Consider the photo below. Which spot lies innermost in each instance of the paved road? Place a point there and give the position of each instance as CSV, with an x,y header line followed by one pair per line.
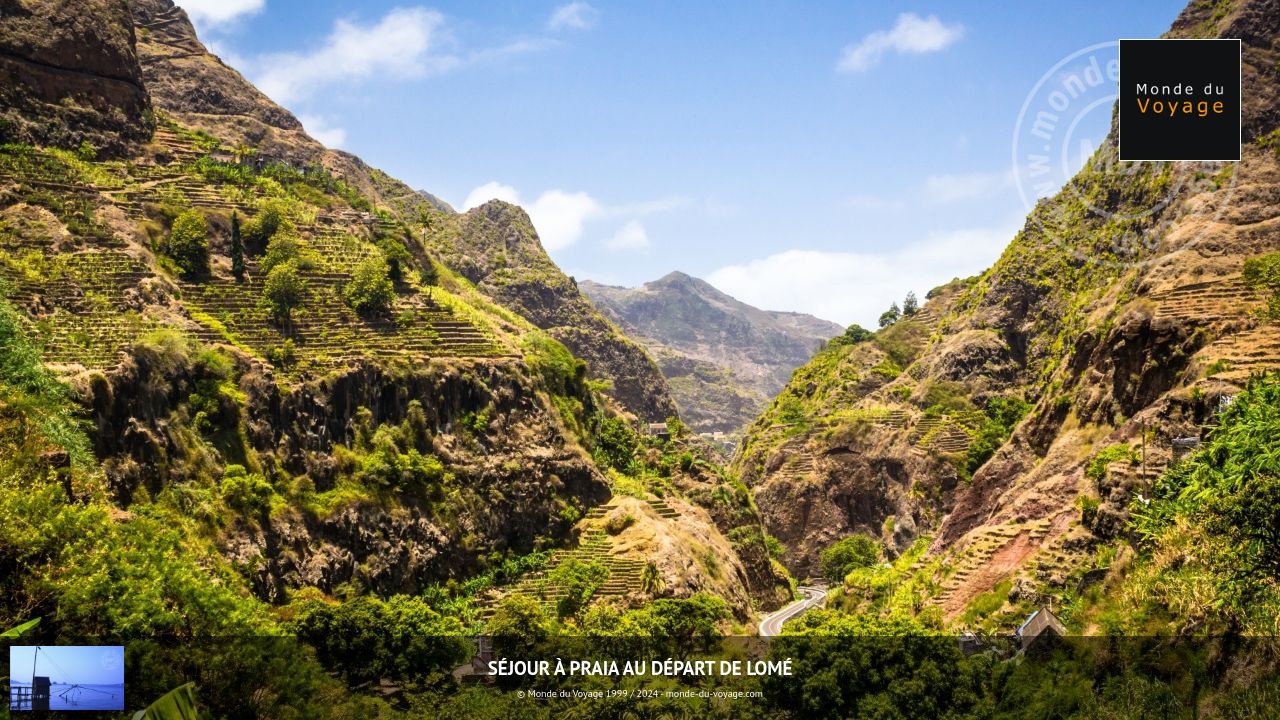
x,y
811,596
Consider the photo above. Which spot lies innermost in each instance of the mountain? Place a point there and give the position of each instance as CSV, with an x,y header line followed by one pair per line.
x,y
1005,431
244,376
724,359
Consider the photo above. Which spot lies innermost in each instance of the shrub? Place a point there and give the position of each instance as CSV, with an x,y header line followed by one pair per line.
x,y
1263,273
188,244
367,639
287,247
853,335
396,255
248,493
849,554
615,443
284,354
579,581
370,290
1097,468
429,274
284,289
1002,415
262,228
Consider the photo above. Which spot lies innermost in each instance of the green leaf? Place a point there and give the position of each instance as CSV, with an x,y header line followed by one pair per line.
x,y
21,630
177,704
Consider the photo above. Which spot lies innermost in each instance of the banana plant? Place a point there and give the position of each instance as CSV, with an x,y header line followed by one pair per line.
x,y
23,629
177,704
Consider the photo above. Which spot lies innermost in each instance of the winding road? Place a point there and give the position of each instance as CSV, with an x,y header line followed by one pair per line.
x,y
812,597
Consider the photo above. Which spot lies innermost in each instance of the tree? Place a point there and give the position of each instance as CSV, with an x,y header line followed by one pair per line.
x,y
237,248
269,221
188,244
853,335
517,626
396,255
283,247
370,289
651,579
691,625
284,289
890,316
428,274
853,552
910,306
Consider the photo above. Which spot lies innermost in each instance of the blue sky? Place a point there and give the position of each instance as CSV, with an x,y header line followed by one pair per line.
x,y
824,157
80,665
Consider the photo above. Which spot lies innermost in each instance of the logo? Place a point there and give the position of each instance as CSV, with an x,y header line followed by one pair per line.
x,y
1067,127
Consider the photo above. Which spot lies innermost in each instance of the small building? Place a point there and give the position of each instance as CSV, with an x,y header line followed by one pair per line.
x,y
1040,626
658,430
40,694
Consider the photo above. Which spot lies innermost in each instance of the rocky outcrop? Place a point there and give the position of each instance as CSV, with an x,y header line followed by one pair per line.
x,y
69,74
722,357
1112,353
510,480
496,247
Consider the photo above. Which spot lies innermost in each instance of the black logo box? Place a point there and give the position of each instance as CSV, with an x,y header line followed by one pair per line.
x,y
1182,64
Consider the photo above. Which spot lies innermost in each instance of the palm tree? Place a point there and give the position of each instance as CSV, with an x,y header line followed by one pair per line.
x,y
651,579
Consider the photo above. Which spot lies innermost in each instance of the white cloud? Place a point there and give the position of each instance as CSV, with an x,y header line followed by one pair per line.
x,y
631,236
574,15
320,129
558,216
851,287
400,45
491,191
911,35
209,13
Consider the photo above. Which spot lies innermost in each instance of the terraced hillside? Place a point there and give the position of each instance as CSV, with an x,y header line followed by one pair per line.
x,y
95,287
1016,417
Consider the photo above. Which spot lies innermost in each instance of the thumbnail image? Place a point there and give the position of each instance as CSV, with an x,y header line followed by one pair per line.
x,y
44,678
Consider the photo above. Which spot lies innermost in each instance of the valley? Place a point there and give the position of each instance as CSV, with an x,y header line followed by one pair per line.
x,y
312,443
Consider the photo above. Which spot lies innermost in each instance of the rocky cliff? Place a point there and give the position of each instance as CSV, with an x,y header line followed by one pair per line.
x,y
316,442
496,247
1014,418
724,359
69,74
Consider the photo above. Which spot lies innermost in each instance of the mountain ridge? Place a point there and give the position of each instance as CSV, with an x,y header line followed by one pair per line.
x,y
723,358
997,423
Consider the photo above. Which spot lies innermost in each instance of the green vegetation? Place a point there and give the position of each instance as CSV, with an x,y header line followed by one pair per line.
x,y
249,493
852,335
237,248
367,639
890,316
284,290
848,554
1096,470
370,290
1002,414
188,244
579,581
1263,273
